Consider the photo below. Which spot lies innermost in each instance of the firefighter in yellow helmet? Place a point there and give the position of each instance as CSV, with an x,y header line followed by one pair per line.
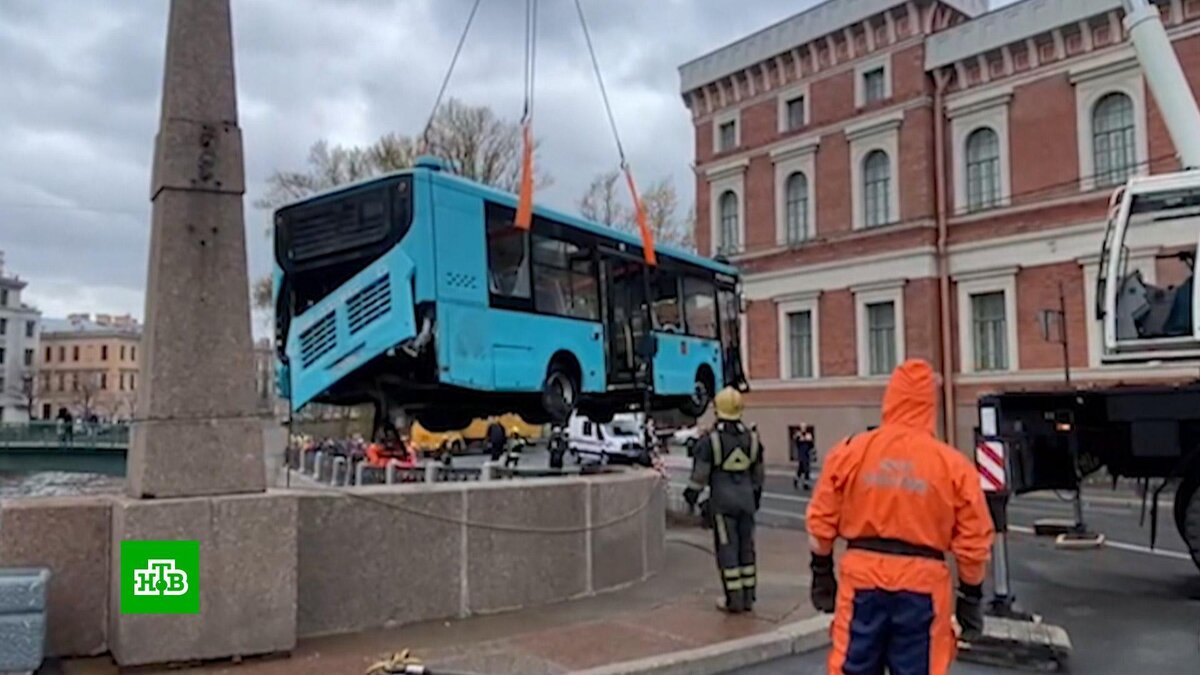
x,y
729,462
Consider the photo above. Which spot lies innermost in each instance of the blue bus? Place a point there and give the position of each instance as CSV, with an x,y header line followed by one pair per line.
x,y
415,292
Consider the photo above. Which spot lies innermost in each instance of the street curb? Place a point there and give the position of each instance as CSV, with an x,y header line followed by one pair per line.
x,y
787,640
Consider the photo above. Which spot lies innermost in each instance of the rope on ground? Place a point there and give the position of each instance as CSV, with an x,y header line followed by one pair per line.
x,y
478,525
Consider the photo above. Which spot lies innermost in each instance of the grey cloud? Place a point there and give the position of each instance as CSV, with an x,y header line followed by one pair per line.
x,y
81,92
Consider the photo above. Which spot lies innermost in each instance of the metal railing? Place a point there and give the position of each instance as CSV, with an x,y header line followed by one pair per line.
x,y
55,435
342,470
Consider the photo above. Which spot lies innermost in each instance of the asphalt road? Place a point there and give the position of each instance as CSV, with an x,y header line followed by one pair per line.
x,y
1127,609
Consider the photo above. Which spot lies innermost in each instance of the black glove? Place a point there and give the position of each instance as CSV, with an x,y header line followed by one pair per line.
x,y
691,495
757,498
969,610
824,583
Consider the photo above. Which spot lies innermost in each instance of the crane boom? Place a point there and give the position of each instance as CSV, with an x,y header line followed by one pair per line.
x,y
1165,77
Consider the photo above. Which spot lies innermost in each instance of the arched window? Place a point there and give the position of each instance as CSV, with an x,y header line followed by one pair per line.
x,y
877,179
983,169
797,208
728,235
1113,140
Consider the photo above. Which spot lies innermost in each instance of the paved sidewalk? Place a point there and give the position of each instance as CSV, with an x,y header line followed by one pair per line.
x,y
672,612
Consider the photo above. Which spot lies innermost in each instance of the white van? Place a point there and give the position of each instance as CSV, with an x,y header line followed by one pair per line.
x,y
618,441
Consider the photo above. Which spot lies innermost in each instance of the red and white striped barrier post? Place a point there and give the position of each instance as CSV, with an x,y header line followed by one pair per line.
x,y
991,459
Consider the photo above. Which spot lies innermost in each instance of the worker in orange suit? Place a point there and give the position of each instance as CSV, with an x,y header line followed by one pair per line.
x,y
902,500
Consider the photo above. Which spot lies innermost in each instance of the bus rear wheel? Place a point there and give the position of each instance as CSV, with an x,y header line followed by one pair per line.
x,y
697,403
560,393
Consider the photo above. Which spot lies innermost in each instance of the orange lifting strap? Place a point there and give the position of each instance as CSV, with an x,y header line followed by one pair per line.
x,y
525,196
640,209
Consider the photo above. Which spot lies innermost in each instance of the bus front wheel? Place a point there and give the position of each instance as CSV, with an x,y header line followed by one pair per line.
x,y
560,392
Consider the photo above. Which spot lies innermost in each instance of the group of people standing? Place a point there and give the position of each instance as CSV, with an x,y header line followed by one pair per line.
x,y
902,501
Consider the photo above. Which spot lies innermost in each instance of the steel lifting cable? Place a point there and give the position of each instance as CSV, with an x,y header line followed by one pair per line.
x,y
638,207
612,121
437,102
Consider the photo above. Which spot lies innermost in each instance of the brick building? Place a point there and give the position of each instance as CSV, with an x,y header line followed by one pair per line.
x,y
818,142
89,366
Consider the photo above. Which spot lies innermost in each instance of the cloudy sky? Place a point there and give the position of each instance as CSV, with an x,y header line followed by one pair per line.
x,y
79,96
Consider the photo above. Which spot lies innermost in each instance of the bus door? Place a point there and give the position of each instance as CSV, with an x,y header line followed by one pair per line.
x,y
729,307
627,318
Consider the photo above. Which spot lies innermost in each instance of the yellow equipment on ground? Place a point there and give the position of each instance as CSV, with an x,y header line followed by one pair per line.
x,y
472,436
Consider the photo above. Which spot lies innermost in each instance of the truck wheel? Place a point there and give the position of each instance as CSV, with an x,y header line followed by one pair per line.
x,y
1187,516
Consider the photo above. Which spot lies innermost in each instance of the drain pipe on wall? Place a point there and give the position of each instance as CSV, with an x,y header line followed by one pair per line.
x,y
949,425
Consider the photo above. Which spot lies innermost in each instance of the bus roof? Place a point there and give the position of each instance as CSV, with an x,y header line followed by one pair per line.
x,y
509,199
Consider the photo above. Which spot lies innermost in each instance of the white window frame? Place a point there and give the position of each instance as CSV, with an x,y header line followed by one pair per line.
x,y
1093,83
860,71
891,291
977,283
966,117
799,156
1144,259
807,302
719,120
877,133
727,177
789,95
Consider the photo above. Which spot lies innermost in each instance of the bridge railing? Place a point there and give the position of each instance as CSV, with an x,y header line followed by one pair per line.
x,y
52,435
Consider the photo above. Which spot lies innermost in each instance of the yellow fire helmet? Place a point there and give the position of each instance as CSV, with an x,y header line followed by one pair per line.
x,y
729,404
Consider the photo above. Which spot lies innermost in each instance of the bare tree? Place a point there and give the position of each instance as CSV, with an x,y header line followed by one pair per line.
x,y
602,202
25,390
661,203
605,202
262,294
87,389
472,139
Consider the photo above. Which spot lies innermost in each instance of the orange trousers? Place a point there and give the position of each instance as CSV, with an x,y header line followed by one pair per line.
x,y
893,612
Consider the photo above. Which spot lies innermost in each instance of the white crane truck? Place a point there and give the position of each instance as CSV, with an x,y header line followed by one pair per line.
x,y
1054,439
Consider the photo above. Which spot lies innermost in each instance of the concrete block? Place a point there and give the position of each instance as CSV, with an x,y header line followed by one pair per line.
x,y
371,560
656,529
23,590
247,579
22,642
196,458
70,537
618,549
511,564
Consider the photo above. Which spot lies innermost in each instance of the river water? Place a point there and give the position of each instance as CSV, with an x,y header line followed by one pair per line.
x,y
57,484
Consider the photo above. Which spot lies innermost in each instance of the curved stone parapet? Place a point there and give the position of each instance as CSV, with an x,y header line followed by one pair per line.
x,y
406,553
327,560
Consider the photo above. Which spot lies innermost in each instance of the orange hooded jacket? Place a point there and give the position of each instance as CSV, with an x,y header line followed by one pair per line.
x,y
900,482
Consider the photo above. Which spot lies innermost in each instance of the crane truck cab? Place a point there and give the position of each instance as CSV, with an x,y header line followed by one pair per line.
x,y
1146,297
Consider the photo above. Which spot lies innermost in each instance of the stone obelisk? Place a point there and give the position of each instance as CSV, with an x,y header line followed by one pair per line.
x,y
196,432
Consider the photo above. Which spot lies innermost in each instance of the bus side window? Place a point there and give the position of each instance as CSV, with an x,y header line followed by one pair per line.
x,y
700,307
564,279
668,314
508,255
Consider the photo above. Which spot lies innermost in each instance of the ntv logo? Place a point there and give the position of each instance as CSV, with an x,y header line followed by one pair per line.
x,y
160,577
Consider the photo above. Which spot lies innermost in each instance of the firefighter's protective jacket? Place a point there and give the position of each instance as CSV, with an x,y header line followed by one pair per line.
x,y
728,461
